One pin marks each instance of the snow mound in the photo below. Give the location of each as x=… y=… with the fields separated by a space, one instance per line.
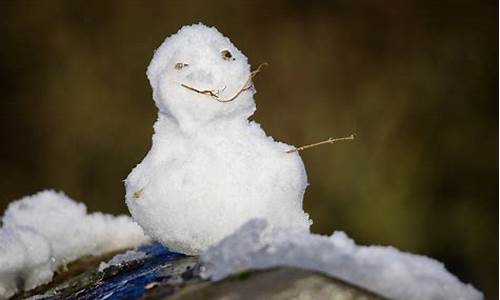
x=47 y=230
x=383 y=270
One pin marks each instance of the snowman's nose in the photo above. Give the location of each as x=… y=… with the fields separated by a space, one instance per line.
x=201 y=76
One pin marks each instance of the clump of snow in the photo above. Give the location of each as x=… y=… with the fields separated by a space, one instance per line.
x=25 y=260
x=121 y=259
x=209 y=169
x=47 y=230
x=383 y=270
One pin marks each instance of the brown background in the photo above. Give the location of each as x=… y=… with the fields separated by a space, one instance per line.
x=417 y=81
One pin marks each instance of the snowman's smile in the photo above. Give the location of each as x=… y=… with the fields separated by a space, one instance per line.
x=215 y=94
x=212 y=93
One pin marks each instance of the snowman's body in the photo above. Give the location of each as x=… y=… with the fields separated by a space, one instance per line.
x=209 y=169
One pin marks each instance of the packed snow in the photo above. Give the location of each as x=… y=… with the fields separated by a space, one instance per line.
x=47 y=230
x=209 y=169
x=383 y=270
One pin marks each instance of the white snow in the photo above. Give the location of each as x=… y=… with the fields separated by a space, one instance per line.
x=121 y=259
x=209 y=169
x=47 y=230
x=383 y=270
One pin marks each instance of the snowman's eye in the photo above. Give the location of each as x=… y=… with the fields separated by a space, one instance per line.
x=179 y=66
x=226 y=55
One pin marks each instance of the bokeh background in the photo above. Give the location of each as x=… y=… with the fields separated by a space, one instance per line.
x=417 y=81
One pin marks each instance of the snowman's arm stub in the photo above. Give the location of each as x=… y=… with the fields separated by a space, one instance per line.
x=137 y=194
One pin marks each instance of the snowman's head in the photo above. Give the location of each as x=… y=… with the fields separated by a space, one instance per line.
x=194 y=71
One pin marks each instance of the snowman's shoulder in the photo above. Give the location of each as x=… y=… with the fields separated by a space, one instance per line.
x=144 y=169
x=267 y=142
x=270 y=154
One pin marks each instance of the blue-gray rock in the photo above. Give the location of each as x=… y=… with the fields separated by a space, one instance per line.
x=161 y=274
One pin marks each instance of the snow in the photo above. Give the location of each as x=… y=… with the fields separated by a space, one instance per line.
x=383 y=270
x=121 y=259
x=47 y=230
x=209 y=169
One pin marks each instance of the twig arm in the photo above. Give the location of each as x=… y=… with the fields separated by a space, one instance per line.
x=328 y=141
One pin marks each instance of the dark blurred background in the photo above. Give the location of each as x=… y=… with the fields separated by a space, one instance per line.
x=417 y=81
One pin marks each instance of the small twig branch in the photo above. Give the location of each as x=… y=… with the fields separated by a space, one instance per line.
x=215 y=93
x=211 y=93
x=248 y=84
x=328 y=141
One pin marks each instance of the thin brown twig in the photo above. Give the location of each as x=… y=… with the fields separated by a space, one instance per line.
x=248 y=84
x=328 y=141
x=215 y=93
x=211 y=93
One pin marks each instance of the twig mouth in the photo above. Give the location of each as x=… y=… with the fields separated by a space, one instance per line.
x=215 y=94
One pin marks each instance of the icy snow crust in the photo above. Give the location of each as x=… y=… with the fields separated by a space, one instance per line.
x=47 y=230
x=383 y=270
x=209 y=169
x=121 y=259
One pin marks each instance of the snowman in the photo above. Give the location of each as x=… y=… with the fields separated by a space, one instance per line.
x=210 y=169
